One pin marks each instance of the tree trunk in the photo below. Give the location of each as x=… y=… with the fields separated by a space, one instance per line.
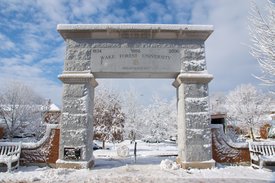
x=251 y=134
x=103 y=144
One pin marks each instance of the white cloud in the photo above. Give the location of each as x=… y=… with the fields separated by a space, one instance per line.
x=6 y=43
x=54 y=11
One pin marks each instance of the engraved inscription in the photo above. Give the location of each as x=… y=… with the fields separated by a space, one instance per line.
x=135 y=59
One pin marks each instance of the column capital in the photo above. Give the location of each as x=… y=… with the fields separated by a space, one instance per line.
x=78 y=78
x=192 y=78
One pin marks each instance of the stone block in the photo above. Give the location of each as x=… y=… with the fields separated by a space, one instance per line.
x=76 y=121
x=75 y=106
x=195 y=90
x=193 y=105
x=194 y=65
x=198 y=136
x=75 y=138
x=78 y=54
x=74 y=165
x=197 y=120
x=194 y=54
x=77 y=65
x=196 y=164
x=198 y=153
x=193 y=59
x=74 y=90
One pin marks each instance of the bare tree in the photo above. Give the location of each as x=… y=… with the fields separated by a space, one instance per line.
x=262 y=35
x=246 y=106
x=20 y=108
x=108 y=117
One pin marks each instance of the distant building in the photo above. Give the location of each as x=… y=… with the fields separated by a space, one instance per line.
x=218 y=118
x=53 y=114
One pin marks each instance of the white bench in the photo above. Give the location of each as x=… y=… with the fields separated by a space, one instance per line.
x=10 y=153
x=261 y=152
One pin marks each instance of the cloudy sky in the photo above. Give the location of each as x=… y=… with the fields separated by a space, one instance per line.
x=32 y=51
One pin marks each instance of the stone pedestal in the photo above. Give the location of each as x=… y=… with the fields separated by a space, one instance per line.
x=194 y=132
x=76 y=136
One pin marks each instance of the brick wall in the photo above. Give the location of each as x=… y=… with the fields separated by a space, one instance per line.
x=1 y=132
x=46 y=153
x=224 y=152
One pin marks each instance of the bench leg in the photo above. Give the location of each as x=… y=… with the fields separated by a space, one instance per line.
x=9 y=166
x=261 y=164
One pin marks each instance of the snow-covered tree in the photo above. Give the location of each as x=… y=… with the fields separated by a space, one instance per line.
x=159 y=120
x=217 y=101
x=246 y=106
x=108 y=116
x=21 y=109
x=132 y=110
x=262 y=35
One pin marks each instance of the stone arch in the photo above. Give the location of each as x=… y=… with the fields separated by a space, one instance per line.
x=135 y=51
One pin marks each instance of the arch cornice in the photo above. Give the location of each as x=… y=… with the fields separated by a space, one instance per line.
x=136 y=31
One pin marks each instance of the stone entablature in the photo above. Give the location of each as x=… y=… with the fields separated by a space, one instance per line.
x=102 y=50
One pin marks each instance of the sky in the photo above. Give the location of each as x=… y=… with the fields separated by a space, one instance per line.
x=32 y=51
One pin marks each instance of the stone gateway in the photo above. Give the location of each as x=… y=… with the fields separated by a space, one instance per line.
x=135 y=51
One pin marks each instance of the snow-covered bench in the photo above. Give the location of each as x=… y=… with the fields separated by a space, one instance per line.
x=261 y=152
x=10 y=153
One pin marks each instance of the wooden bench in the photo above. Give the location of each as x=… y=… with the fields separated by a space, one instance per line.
x=9 y=154
x=261 y=153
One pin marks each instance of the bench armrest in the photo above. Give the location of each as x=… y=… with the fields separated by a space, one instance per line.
x=256 y=152
x=13 y=153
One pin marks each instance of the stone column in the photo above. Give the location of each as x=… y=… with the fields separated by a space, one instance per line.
x=194 y=133
x=76 y=135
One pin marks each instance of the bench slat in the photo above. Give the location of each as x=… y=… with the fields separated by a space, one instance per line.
x=2 y=150
x=269 y=150
x=268 y=153
x=5 y=150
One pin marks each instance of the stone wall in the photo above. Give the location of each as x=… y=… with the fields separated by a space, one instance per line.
x=45 y=151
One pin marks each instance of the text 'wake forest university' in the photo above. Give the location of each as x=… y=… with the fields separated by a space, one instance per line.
x=128 y=53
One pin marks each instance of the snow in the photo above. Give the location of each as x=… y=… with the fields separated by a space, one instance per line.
x=53 y=107
x=149 y=167
x=172 y=27
x=169 y=164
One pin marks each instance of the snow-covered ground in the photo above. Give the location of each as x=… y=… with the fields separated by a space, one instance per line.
x=110 y=167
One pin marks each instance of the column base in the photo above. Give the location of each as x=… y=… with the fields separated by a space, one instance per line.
x=196 y=164
x=75 y=164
